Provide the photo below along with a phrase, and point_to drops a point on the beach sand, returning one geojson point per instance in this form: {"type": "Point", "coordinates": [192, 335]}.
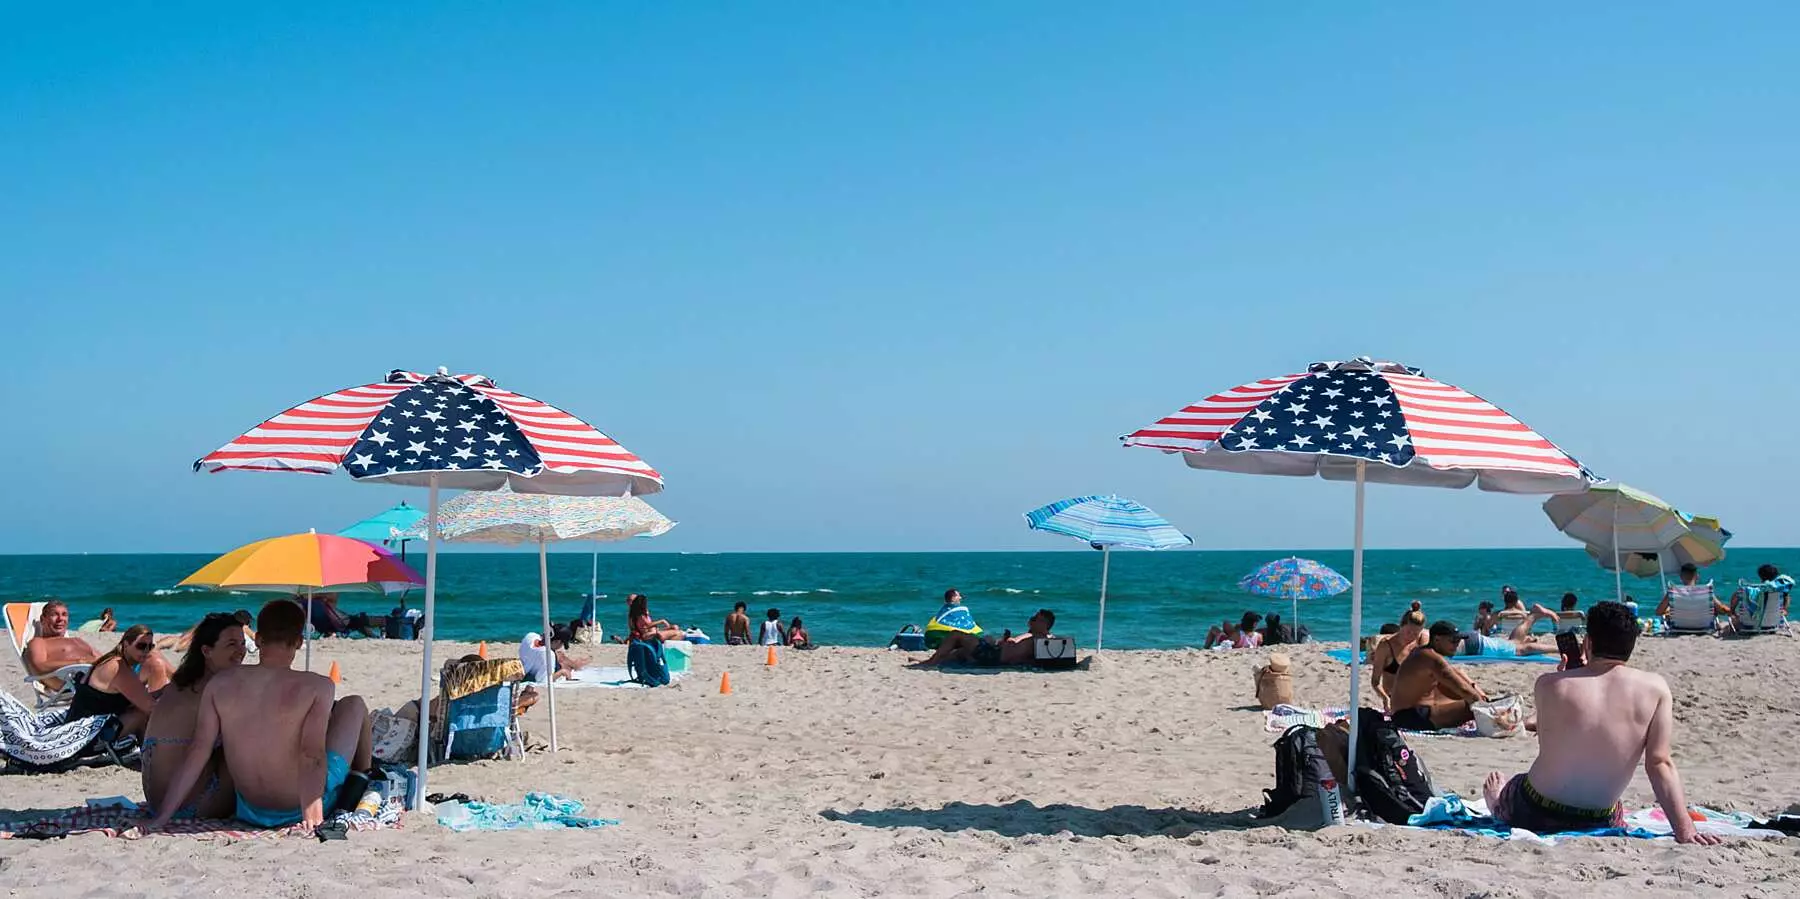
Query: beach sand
{"type": "Point", "coordinates": [841, 772]}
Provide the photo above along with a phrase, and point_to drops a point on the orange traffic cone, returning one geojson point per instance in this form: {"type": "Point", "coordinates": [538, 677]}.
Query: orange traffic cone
{"type": "Point", "coordinates": [772, 659]}
{"type": "Point", "coordinates": [335, 675]}
{"type": "Point", "coordinates": [725, 684]}
{"type": "Point", "coordinates": [482, 649]}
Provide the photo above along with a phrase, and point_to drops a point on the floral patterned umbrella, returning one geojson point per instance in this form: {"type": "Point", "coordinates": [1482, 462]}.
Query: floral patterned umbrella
{"type": "Point", "coordinates": [1294, 579]}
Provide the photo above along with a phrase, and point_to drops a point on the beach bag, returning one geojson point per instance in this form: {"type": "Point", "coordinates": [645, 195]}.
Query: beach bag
{"type": "Point", "coordinates": [1501, 716]}
{"type": "Point", "coordinates": [644, 661]}
{"type": "Point", "coordinates": [1274, 686]}
{"type": "Point", "coordinates": [1306, 795]}
{"type": "Point", "coordinates": [1053, 652]}
{"type": "Point", "coordinates": [1392, 784]}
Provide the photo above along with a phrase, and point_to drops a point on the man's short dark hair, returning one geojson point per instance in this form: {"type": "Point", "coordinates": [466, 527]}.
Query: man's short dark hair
{"type": "Point", "coordinates": [1049, 617]}
{"type": "Point", "coordinates": [280, 623]}
{"type": "Point", "coordinates": [1444, 630]}
{"type": "Point", "coordinates": [1689, 568]}
{"type": "Point", "coordinates": [1570, 601]}
{"type": "Point", "coordinates": [1613, 630]}
{"type": "Point", "coordinates": [1388, 627]}
{"type": "Point", "coordinates": [949, 593]}
{"type": "Point", "coordinates": [740, 607]}
{"type": "Point", "coordinates": [1768, 572]}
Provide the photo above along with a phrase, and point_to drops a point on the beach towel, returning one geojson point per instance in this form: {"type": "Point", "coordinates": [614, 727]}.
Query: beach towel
{"type": "Point", "coordinates": [952, 618]}
{"type": "Point", "coordinates": [1280, 718]}
{"type": "Point", "coordinates": [1344, 655]}
{"type": "Point", "coordinates": [1452, 812]}
{"type": "Point", "coordinates": [646, 663]}
{"type": "Point", "coordinates": [539, 811]}
{"type": "Point", "coordinates": [608, 678]}
{"type": "Point", "coordinates": [112, 821]}
{"type": "Point", "coordinates": [44, 739]}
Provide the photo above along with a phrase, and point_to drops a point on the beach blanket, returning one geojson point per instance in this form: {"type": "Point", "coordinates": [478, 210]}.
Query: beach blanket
{"type": "Point", "coordinates": [1343, 655]}
{"type": "Point", "coordinates": [1452, 812]}
{"type": "Point", "coordinates": [43, 738]}
{"type": "Point", "coordinates": [539, 811]}
{"type": "Point", "coordinates": [113, 821]}
{"type": "Point", "coordinates": [1278, 719]}
{"type": "Point", "coordinates": [612, 678]}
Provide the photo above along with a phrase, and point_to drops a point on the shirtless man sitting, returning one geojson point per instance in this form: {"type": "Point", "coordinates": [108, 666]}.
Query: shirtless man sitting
{"type": "Point", "coordinates": [290, 748]}
{"type": "Point", "coordinates": [54, 647]}
{"type": "Point", "coordinates": [1594, 724]}
{"type": "Point", "coordinates": [1428, 692]}
{"type": "Point", "coordinates": [970, 649]}
{"type": "Point", "coordinates": [737, 626]}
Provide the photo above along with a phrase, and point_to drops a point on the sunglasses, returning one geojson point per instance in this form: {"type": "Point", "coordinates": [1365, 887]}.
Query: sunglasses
{"type": "Point", "coordinates": [145, 645]}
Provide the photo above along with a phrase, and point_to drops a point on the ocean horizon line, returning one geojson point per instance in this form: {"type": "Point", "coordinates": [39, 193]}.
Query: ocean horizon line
{"type": "Point", "coordinates": [463, 550]}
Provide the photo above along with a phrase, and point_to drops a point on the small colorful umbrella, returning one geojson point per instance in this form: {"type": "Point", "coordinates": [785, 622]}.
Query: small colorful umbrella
{"type": "Point", "coordinates": [1364, 420]}
{"type": "Point", "coordinates": [1104, 522]}
{"type": "Point", "coordinates": [461, 432]}
{"type": "Point", "coordinates": [304, 564]}
{"type": "Point", "coordinates": [501, 516]}
{"type": "Point", "coordinates": [1294, 579]}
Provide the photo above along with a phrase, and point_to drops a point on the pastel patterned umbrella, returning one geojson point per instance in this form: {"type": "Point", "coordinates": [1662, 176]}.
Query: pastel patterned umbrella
{"type": "Point", "coordinates": [1104, 522]}
{"type": "Point", "coordinates": [1628, 529]}
{"type": "Point", "coordinates": [1362, 420]}
{"type": "Point", "coordinates": [1294, 579]}
{"type": "Point", "coordinates": [502, 516]}
{"type": "Point", "coordinates": [461, 432]}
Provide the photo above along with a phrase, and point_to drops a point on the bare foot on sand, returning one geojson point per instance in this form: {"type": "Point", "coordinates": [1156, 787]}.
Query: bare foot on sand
{"type": "Point", "coordinates": [1490, 789]}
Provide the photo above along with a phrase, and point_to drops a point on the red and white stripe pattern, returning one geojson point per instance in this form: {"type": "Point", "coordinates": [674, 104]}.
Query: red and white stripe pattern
{"type": "Point", "coordinates": [318, 435]}
{"type": "Point", "coordinates": [1441, 426]}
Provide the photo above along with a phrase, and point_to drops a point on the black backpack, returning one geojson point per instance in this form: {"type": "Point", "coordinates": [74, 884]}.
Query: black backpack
{"type": "Point", "coordinates": [1293, 751]}
{"type": "Point", "coordinates": [1391, 781]}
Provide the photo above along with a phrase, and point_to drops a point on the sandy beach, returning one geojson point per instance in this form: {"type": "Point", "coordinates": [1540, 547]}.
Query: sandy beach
{"type": "Point", "coordinates": [841, 772]}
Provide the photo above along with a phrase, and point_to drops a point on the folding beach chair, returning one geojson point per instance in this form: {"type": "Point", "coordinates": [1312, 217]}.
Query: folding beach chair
{"type": "Point", "coordinates": [1692, 610]}
{"type": "Point", "coordinates": [1762, 607]}
{"type": "Point", "coordinates": [477, 720]}
{"type": "Point", "coordinates": [45, 741]}
{"type": "Point", "coordinates": [56, 688]}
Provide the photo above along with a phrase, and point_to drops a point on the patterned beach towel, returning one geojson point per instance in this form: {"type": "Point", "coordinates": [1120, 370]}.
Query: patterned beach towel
{"type": "Point", "coordinates": [124, 822]}
{"type": "Point", "coordinates": [539, 811]}
{"type": "Point", "coordinates": [43, 738]}
{"type": "Point", "coordinates": [1280, 718]}
{"type": "Point", "coordinates": [1452, 812]}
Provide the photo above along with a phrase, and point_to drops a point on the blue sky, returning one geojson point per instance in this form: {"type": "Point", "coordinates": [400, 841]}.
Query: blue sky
{"type": "Point", "coordinates": [883, 276]}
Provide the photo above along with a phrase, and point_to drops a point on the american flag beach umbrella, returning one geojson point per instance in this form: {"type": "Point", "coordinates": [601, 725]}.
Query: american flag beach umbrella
{"type": "Point", "coordinates": [439, 431]}
{"type": "Point", "coordinates": [1361, 420]}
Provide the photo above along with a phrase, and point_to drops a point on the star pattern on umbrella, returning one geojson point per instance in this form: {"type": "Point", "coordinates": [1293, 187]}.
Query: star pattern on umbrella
{"type": "Point", "coordinates": [448, 419]}
{"type": "Point", "coordinates": [1337, 413]}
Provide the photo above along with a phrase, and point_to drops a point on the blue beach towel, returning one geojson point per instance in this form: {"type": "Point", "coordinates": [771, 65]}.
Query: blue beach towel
{"type": "Point", "coordinates": [539, 811]}
{"type": "Point", "coordinates": [644, 659]}
{"type": "Point", "coordinates": [1344, 655]}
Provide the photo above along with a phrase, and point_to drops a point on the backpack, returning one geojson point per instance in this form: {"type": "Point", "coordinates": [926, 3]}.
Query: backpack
{"type": "Point", "coordinates": [1293, 772]}
{"type": "Point", "coordinates": [1391, 781]}
{"type": "Point", "coordinates": [644, 662]}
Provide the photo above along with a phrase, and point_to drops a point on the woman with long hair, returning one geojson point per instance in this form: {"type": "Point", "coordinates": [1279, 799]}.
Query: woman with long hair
{"type": "Point", "coordinates": [643, 627]}
{"type": "Point", "coordinates": [1386, 657]}
{"type": "Point", "coordinates": [122, 681]}
{"type": "Point", "coordinates": [217, 643]}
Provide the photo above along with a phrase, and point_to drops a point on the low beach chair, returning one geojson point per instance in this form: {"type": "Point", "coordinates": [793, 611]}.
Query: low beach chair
{"type": "Point", "coordinates": [1761, 608]}
{"type": "Point", "coordinates": [1692, 610]}
{"type": "Point", "coordinates": [477, 720]}
{"type": "Point", "coordinates": [56, 688]}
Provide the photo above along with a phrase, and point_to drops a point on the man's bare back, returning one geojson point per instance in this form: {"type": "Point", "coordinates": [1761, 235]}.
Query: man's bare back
{"type": "Point", "coordinates": [272, 721]}
{"type": "Point", "coordinates": [1593, 726]}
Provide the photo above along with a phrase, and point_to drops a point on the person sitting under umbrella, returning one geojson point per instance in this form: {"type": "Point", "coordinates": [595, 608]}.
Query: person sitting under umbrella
{"type": "Point", "coordinates": [1428, 692]}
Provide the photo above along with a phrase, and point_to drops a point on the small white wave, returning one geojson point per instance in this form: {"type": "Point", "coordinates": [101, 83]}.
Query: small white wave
{"type": "Point", "coordinates": [824, 590]}
{"type": "Point", "coordinates": [1011, 590]}
{"type": "Point", "coordinates": [761, 592]}
{"type": "Point", "coordinates": [165, 591]}
{"type": "Point", "coordinates": [721, 593]}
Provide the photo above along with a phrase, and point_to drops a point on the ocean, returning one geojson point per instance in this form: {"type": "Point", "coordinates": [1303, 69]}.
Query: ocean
{"type": "Point", "coordinates": [1154, 600]}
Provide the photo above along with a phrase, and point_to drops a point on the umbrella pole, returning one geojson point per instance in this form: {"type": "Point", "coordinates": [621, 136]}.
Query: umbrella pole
{"type": "Point", "coordinates": [307, 631]}
{"type": "Point", "coordinates": [425, 635]}
{"type": "Point", "coordinates": [549, 651]}
{"type": "Point", "coordinates": [1100, 633]}
{"type": "Point", "coordinates": [1356, 591]}
{"type": "Point", "coordinates": [594, 593]}
{"type": "Point", "coordinates": [1618, 566]}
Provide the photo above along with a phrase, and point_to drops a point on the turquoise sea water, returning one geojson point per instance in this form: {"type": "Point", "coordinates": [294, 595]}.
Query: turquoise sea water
{"type": "Point", "coordinates": [1154, 600]}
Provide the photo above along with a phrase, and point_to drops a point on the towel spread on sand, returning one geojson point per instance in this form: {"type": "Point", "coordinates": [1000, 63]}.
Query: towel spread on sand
{"type": "Point", "coordinates": [613, 678]}
{"type": "Point", "coordinates": [1343, 655]}
{"type": "Point", "coordinates": [1452, 812]}
{"type": "Point", "coordinates": [113, 821]}
{"type": "Point", "coordinates": [1283, 716]}
{"type": "Point", "coordinates": [539, 811]}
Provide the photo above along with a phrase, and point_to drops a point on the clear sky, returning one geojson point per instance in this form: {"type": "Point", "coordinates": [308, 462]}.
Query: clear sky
{"type": "Point", "coordinates": [871, 276]}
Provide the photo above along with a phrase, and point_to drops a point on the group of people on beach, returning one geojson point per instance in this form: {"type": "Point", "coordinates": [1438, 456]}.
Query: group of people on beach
{"type": "Point", "coordinates": [771, 632]}
{"type": "Point", "coordinates": [263, 743]}
{"type": "Point", "coordinates": [1244, 634]}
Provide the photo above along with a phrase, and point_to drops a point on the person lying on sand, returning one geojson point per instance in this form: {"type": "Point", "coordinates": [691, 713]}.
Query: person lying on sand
{"type": "Point", "coordinates": [987, 652]}
{"type": "Point", "coordinates": [1594, 724]}
{"type": "Point", "coordinates": [291, 749]}
{"type": "Point", "coordinates": [1428, 692]}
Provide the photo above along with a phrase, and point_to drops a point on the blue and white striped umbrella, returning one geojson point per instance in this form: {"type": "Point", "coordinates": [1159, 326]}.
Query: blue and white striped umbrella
{"type": "Point", "coordinates": [1104, 522]}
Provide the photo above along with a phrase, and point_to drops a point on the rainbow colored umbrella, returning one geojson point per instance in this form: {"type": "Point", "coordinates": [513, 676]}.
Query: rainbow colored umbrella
{"type": "Point", "coordinates": [1294, 579]}
{"type": "Point", "coordinates": [304, 564]}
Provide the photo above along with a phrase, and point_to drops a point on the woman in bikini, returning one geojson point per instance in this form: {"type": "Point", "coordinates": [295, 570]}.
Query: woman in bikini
{"type": "Point", "coordinates": [122, 682]}
{"type": "Point", "coordinates": [217, 644]}
{"type": "Point", "coordinates": [1386, 657]}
